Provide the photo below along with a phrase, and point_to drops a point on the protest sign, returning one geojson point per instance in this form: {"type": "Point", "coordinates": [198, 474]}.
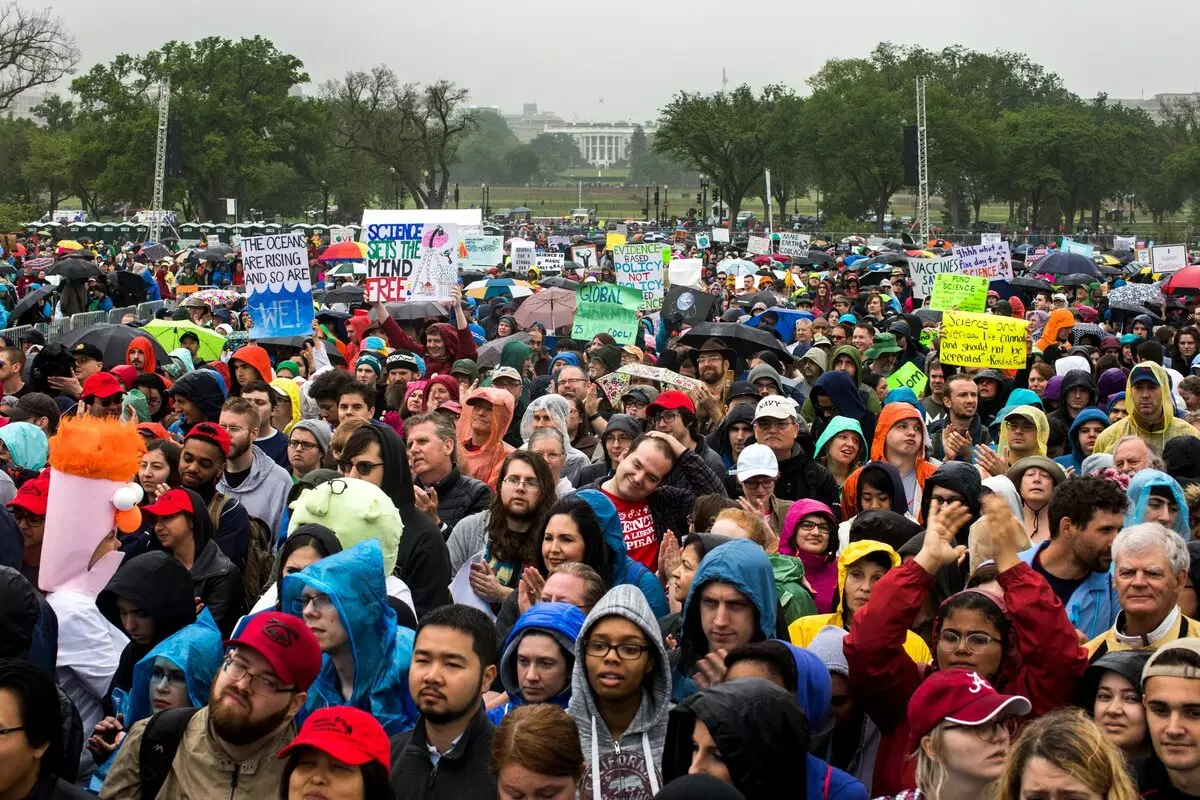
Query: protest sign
{"type": "Point", "coordinates": [982, 340]}
{"type": "Point", "coordinates": [340, 234]}
{"type": "Point", "coordinates": [702, 242]}
{"type": "Point", "coordinates": [685, 272]}
{"type": "Point", "coordinates": [550, 261]}
{"type": "Point", "coordinates": [1078, 248]}
{"type": "Point", "coordinates": [481, 251]}
{"type": "Point", "coordinates": [411, 260]}
{"type": "Point", "coordinates": [793, 244]}
{"type": "Point", "coordinates": [278, 284]}
{"type": "Point", "coordinates": [623, 230]}
{"type": "Point", "coordinates": [612, 240]}
{"type": "Point", "coordinates": [954, 292]}
{"type": "Point", "coordinates": [758, 245]}
{"type": "Point", "coordinates": [908, 375]}
{"type": "Point", "coordinates": [720, 235]}
{"type": "Point", "coordinates": [1168, 257]}
{"type": "Point", "coordinates": [924, 270]}
{"type": "Point", "coordinates": [640, 266]}
{"type": "Point", "coordinates": [606, 308]}
{"type": "Point", "coordinates": [1037, 253]}
{"type": "Point", "coordinates": [585, 256]}
{"type": "Point", "coordinates": [558, 242]}
{"type": "Point", "coordinates": [1124, 242]}
{"type": "Point", "coordinates": [990, 238]}
{"type": "Point", "coordinates": [522, 256]}
{"type": "Point", "coordinates": [928, 337]}
{"type": "Point", "coordinates": [991, 261]}
{"type": "Point", "coordinates": [689, 305]}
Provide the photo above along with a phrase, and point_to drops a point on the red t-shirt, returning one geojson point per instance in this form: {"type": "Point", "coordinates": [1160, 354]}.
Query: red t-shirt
{"type": "Point", "coordinates": [641, 540]}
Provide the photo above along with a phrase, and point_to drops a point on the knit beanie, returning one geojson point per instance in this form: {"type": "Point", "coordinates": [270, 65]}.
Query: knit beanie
{"type": "Point", "coordinates": [827, 646]}
{"type": "Point", "coordinates": [320, 431]}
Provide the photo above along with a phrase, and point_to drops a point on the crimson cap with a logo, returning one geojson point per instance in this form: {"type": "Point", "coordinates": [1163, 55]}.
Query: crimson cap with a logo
{"type": "Point", "coordinates": [347, 734]}
{"type": "Point", "coordinates": [959, 696]}
{"type": "Point", "coordinates": [286, 643]}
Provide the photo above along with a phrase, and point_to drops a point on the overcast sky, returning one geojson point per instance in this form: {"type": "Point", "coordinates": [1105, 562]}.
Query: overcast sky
{"type": "Point", "coordinates": [623, 59]}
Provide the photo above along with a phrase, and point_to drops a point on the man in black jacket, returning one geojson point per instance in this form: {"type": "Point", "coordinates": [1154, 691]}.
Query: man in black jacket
{"type": "Point", "coordinates": [443, 493]}
{"type": "Point", "coordinates": [776, 426]}
{"type": "Point", "coordinates": [1170, 687]}
{"type": "Point", "coordinates": [446, 755]}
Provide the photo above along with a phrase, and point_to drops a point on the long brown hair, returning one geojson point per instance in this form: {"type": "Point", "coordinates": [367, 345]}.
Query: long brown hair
{"type": "Point", "coordinates": [509, 545]}
{"type": "Point", "coordinates": [1073, 743]}
{"type": "Point", "coordinates": [541, 738]}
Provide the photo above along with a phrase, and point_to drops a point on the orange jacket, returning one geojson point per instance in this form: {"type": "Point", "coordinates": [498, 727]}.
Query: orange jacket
{"type": "Point", "coordinates": [891, 414]}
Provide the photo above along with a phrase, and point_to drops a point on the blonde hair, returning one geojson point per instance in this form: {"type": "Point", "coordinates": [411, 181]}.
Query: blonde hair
{"type": "Point", "coordinates": [930, 771]}
{"type": "Point", "coordinates": [752, 524]}
{"type": "Point", "coordinates": [1073, 743]}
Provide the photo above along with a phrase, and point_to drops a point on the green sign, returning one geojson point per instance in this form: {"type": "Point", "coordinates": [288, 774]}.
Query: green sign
{"type": "Point", "coordinates": [607, 308]}
{"type": "Point", "coordinates": [953, 292]}
{"type": "Point", "coordinates": [928, 337]}
{"type": "Point", "coordinates": [908, 375]}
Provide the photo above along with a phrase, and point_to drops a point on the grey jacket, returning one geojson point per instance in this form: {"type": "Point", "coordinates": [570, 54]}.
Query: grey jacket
{"type": "Point", "coordinates": [621, 769]}
{"type": "Point", "coordinates": [468, 539]}
{"type": "Point", "coordinates": [264, 493]}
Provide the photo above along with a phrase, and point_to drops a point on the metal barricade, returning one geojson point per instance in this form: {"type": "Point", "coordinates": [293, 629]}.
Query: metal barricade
{"type": "Point", "coordinates": [13, 335]}
{"type": "Point", "coordinates": [146, 311]}
{"type": "Point", "coordinates": [84, 319]}
{"type": "Point", "coordinates": [117, 314]}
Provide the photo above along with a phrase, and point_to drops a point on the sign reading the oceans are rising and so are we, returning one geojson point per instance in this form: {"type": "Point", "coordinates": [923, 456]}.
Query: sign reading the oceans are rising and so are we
{"type": "Point", "coordinates": [606, 308]}
{"type": "Point", "coordinates": [411, 261]}
{"type": "Point", "coordinates": [640, 267]}
{"type": "Point", "coordinates": [278, 284]}
{"type": "Point", "coordinates": [983, 340]}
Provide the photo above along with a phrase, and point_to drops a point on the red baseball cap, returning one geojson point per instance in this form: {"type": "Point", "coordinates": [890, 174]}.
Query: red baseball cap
{"type": "Point", "coordinates": [172, 502]}
{"type": "Point", "coordinates": [32, 495]}
{"type": "Point", "coordinates": [348, 734]}
{"type": "Point", "coordinates": [286, 643]}
{"type": "Point", "coordinates": [960, 696]}
{"type": "Point", "coordinates": [102, 384]}
{"type": "Point", "coordinates": [213, 433]}
{"type": "Point", "coordinates": [671, 400]}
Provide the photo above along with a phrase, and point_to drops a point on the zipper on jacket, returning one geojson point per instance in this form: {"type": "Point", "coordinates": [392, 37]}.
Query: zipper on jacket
{"type": "Point", "coordinates": [237, 770]}
{"type": "Point", "coordinates": [432, 779]}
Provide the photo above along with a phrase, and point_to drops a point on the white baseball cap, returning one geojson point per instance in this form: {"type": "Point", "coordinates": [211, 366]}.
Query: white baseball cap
{"type": "Point", "coordinates": [775, 406]}
{"type": "Point", "coordinates": [756, 460]}
{"type": "Point", "coordinates": [505, 372]}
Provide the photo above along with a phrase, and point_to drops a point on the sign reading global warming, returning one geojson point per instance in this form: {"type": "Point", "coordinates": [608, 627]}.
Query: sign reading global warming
{"type": "Point", "coordinates": [982, 340]}
{"type": "Point", "coordinates": [278, 284]}
{"type": "Point", "coordinates": [411, 261]}
{"type": "Point", "coordinates": [640, 267]}
{"type": "Point", "coordinates": [606, 308]}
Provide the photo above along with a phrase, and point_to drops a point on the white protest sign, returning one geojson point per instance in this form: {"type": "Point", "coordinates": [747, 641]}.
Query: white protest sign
{"type": "Point", "coordinates": [623, 229]}
{"type": "Point", "coordinates": [990, 238]}
{"type": "Point", "coordinates": [758, 245]}
{"type": "Point", "coordinates": [1124, 242]}
{"type": "Point", "coordinates": [278, 284]}
{"type": "Point", "coordinates": [341, 234]}
{"type": "Point", "coordinates": [640, 266]}
{"type": "Point", "coordinates": [482, 251]}
{"type": "Point", "coordinates": [793, 244]}
{"type": "Point", "coordinates": [685, 272]}
{"type": "Point", "coordinates": [702, 241]}
{"type": "Point", "coordinates": [585, 256]}
{"type": "Point", "coordinates": [924, 270]}
{"type": "Point", "coordinates": [405, 260]}
{"type": "Point", "coordinates": [551, 261]}
{"type": "Point", "coordinates": [522, 256]}
{"type": "Point", "coordinates": [720, 235]}
{"type": "Point", "coordinates": [1168, 257]}
{"type": "Point", "coordinates": [991, 261]}
{"type": "Point", "coordinates": [556, 242]}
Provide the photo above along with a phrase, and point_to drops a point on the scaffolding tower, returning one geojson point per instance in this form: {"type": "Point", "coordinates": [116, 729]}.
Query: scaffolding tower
{"type": "Point", "coordinates": [922, 164]}
{"type": "Point", "coordinates": [160, 160]}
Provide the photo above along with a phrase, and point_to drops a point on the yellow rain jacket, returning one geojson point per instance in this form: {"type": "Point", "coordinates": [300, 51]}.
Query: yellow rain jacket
{"type": "Point", "coordinates": [805, 629]}
{"type": "Point", "coordinates": [292, 390]}
{"type": "Point", "coordinates": [1155, 437]}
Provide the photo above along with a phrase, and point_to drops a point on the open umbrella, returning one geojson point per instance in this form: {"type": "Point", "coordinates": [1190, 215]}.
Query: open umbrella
{"type": "Point", "coordinates": [36, 264]}
{"type": "Point", "coordinates": [1059, 263]}
{"type": "Point", "coordinates": [30, 301]}
{"type": "Point", "coordinates": [167, 332]}
{"type": "Point", "coordinates": [928, 314]}
{"type": "Point", "coordinates": [559, 282]}
{"type": "Point", "coordinates": [1075, 279]}
{"type": "Point", "coordinates": [75, 269]}
{"type": "Point", "coordinates": [821, 257]}
{"type": "Point", "coordinates": [1032, 284]}
{"type": "Point", "coordinates": [1137, 293]}
{"type": "Point", "coordinates": [349, 294]}
{"type": "Point", "coordinates": [1132, 308]}
{"type": "Point", "coordinates": [113, 341]}
{"type": "Point", "coordinates": [551, 307]}
{"type": "Point", "coordinates": [67, 245]}
{"type": "Point", "coordinates": [499, 287]}
{"type": "Point", "coordinates": [1184, 282]}
{"type": "Point", "coordinates": [279, 346]}
{"type": "Point", "coordinates": [215, 297]}
{"type": "Point", "coordinates": [344, 270]}
{"type": "Point", "coordinates": [488, 356]}
{"type": "Point", "coordinates": [889, 258]}
{"type": "Point", "coordinates": [153, 251]}
{"type": "Point", "coordinates": [417, 309]}
{"type": "Point", "coordinates": [614, 384]}
{"type": "Point", "coordinates": [216, 252]}
{"type": "Point", "coordinates": [345, 251]}
{"type": "Point", "coordinates": [742, 339]}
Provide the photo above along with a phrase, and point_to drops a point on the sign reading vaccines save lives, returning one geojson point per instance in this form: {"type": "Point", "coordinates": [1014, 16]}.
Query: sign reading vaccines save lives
{"type": "Point", "coordinates": [278, 284]}
{"type": "Point", "coordinates": [640, 267]}
{"type": "Point", "coordinates": [411, 261]}
{"type": "Point", "coordinates": [606, 308]}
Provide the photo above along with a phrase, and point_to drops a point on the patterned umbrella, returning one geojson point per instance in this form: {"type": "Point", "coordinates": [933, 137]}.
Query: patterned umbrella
{"type": "Point", "coordinates": [153, 251]}
{"type": "Point", "coordinates": [1137, 293]}
{"type": "Point", "coordinates": [499, 287]}
{"type": "Point", "coordinates": [215, 297]}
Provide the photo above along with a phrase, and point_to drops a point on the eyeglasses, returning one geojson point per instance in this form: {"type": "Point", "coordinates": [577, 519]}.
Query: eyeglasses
{"type": "Point", "coordinates": [667, 416]}
{"type": "Point", "coordinates": [320, 602]}
{"type": "Point", "coordinates": [521, 483]}
{"type": "Point", "coordinates": [24, 517]}
{"type": "Point", "coordinates": [234, 429]}
{"type": "Point", "coordinates": [110, 401]}
{"type": "Point", "coordinates": [265, 685]}
{"type": "Point", "coordinates": [303, 447]}
{"type": "Point", "coordinates": [363, 468]}
{"type": "Point", "coordinates": [811, 526]}
{"type": "Point", "coordinates": [758, 483]}
{"type": "Point", "coordinates": [626, 652]}
{"type": "Point", "coordinates": [974, 641]}
{"type": "Point", "coordinates": [990, 732]}
{"type": "Point", "coordinates": [166, 675]}
{"type": "Point", "coordinates": [572, 380]}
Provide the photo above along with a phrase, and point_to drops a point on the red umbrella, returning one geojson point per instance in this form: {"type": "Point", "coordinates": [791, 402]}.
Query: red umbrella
{"type": "Point", "coordinates": [1185, 281]}
{"type": "Point", "coordinates": [345, 251]}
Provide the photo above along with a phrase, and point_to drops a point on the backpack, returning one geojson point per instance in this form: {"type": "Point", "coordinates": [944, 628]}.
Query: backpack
{"type": "Point", "coordinates": [260, 562]}
{"type": "Point", "coordinates": [160, 742]}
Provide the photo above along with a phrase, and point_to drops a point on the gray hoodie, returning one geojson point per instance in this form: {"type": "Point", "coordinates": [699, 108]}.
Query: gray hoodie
{"type": "Point", "coordinates": [630, 768]}
{"type": "Point", "coordinates": [264, 492]}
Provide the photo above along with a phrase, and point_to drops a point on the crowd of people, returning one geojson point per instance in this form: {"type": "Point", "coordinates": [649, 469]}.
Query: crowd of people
{"type": "Point", "coordinates": [446, 558]}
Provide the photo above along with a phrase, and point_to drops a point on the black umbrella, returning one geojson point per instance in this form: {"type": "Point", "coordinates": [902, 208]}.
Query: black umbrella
{"type": "Point", "coordinates": [416, 309]}
{"type": "Point", "coordinates": [751, 300]}
{"type": "Point", "coordinates": [113, 341]}
{"type": "Point", "coordinates": [1110, 272]}
{"type": "Point", "coordinates": [742, 339]}
{"type": "Point", "coordinates": [127, 288]}
{"type": "Point", "coordinates": [821, 257]}
{"type": "Point", "coordinates": [1075, 280]}
{"type": "Point", "coordinates": [29, 301]}
{"type": "Point", "coordinates": [559, 282]}
{"type": "Point", "coordinates": [1059, 263]}
{"type": "Point", "coordinates": [1132, 308]}
{"type": "Point", "coordinates": [1032, 284]}
{"type": "Point", "coordinates": [488, 356]}
{"type": "Point", "coordinates": [802, 261]}
{"type": "Point", "coordinates": [348, 293]}
{"type": "Point", "coordinates": [888, 258]}
{"type": "Point", "coordinates": [874, 278]}
{"type": "Point", "coordinates": [928, 314]}
{"type": "Point", "coordinates": [75, 269]}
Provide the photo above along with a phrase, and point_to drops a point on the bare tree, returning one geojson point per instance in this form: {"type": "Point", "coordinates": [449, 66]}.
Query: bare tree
{"type": "Point", "coordinates": [35, 50]}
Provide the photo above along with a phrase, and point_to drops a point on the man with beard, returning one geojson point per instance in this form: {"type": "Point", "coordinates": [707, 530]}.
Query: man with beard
{"type": "Point", "coordinates": [715, 363]}
{"type": "Point", "coordinates": [261, 485]}
{"type": "Point", "coordinates": [230, 747]}
{"type": "Point", "coordinates": [446, 755]}
{"type": "Point", "coordinates": [953, 437]}
{"type": "Point", "coordinates": [201, 465]}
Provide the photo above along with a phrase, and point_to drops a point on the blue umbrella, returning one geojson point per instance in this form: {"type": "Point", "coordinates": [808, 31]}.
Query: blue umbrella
{"type": "Point", "coordinates": [786, 325]}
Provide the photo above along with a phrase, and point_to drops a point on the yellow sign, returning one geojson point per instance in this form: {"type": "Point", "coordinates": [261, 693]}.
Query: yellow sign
{"type": "Point", "coordinates": [982, 340]}
{"type": "Point", "coordinates": [614, 240]}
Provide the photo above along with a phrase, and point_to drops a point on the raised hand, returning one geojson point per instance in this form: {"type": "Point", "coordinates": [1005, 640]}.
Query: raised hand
{"type": "Point", "coordinates": [938, 549]}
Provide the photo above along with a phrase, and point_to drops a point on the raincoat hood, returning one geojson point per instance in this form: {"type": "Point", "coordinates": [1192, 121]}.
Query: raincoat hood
{"type": "Point", "coordinates": [839, 387]}
{"type": "Point", "coordinates": [891, 415]}
{"type": "Point", "coordinates": [1002, 487]}
{"type": "Point", "coordinates": [143, 344]}
{"type": "Point", "coordinates": [257, 357]}
{"type": "Point", "coordinates": [1182, 457]}
{"type": "Point", "coordinates": [798, 511]}
{"type": "Point", "coordinates": [1077, 378]}
{"type": "Point", "coordinates": [562, 621]}
{"type": "Point", "coordinates": [354, 580]}
{"type": "Point", "coordinates": [1059, 318]}
{"type": "Point", "coordinates": [856, 551]}
{"type": "Point", "coordinates": [851, 351]}
{"type": "Point", "coordinates": [1141, 485]}
{"type": "Point", "coordinates": [899, 503]}
{"type": "Point", "coordinates": [840, 424]}
{"type": "Point", "coordinates": [1168, 405]}
{"type": "Point", "coordinates": [559, 409]}
{"type": "Point", "coordinates": [719, 439]}
{"type": "Point", "coordinates": [448, 382]}
{"type": "Point", "coordinates": [814, 688]}
{"type": "Point", "coordinates": [743, 565]}
{"type": "Point", "coordinates": [486, 457]}
{"type": "Point", "coordinates": [1070, 364]}
{"type": "Point", "coordinates": [1156, 434]}
{"type": "Point", "coordinates": [27, 445]}
{"type": "Point", "coordinates": [195, 649]}
{"type": "Point", "coordinates": [202, 388]}
{"type": "Point", "coordinates": [1086, 415]}
{"type": "Point", "coordinates": [454, 349]}
{"type": "Point", "coordinates": [292, 389]}
{"type": "Point", "coordinates": [957, 476]}
{"type": "Point", "coordinates": [1111, 382]}
{"type": "Point", "coordinates": [157, 584]}
{"type": "Point", "coordinates": [766, 371]}
{"type": "Point", "coordinates": [514, 354]}
{"type": "Point", "coordinates": [22, 610]}
{"type": "Point", "coordinates": [1038, 417]}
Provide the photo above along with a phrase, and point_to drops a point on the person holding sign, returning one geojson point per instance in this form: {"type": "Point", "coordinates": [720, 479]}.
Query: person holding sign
{"type": "Point", "coordinates": [443, 344]}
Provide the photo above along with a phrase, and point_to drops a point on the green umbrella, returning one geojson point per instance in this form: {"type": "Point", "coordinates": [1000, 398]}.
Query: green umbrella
{"type": "Point", "coordinates": [167, 333]}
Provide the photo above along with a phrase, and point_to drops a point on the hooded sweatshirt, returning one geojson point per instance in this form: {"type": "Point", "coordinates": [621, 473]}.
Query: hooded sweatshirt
{"type": "Point", "coordinates": [840, 424]}
{"type": "Point", "coordinates": [459, 344]}
{"type": "Point", "coordinates": [1156, 434]}
{"type": "Point", "coordinates": [839, 387]}
{"type": "Point", "coordinates": [1039, 420]}
{"type": "Point", "coordinates": [869, 397]}
{"type": "Point", "coordinates": [1076, 456]}
{"type": "Point", "coordinates": [382, 652]}
{"type": "Point", "coordinates": [718, 440]}
{"type": "Point", "coordinates": [629, 767]}
{"type": "Point", "coordinates": [1141, 485]}
{"type": "Point", "coordinates": [804, 630]}
{"type": "Point", "coordinates": [263, 492]}
{"type": "Point", "coordinates": [203, 389]}
{"type": "Point", "coordinates": [1059, 318]}
{"type": "Point", "coordinates": [482, 460]}
{"type": "Point", "coordinates": [1074, 379]}
{"type": "Point", "coordinates": [743, 565]}
{"type": "Point", "coordinates": [257, 357]}
{"type": "Point", "coordinates": [1111, 382]}
{"type": "Point", "coordinates": [292, 389]}
{"type": "Point", "coordinates": [562, 622]}
{"type": "Point", "coordinates": [923, 469]}
{"type": "Point", "coordinates": [814, 691]}
{"type": "Point", "coordinates": [625, 569]}
{"type": "Point", "coordinates": [820, 569]}
{"type": "Point", "coordinates": [143, 344]}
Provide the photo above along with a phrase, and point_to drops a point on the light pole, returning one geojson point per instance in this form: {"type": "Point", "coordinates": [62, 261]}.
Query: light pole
{"type": "Point", "coordinates": [395, 186]}
{"type": "Point", "coordinates": [704, 195]}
